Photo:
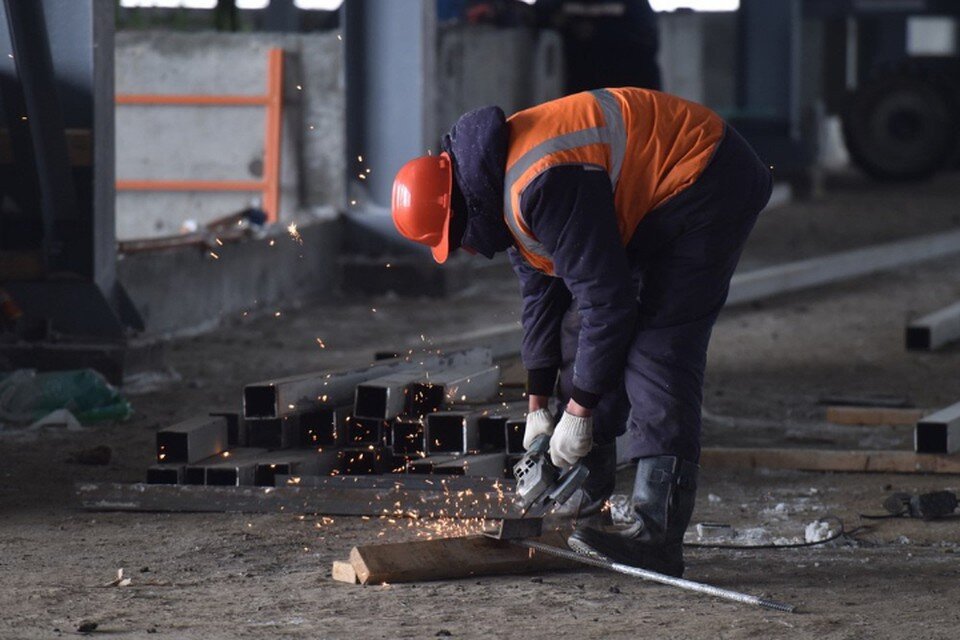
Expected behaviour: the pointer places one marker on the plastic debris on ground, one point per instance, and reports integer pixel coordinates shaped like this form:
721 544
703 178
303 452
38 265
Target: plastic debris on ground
27 396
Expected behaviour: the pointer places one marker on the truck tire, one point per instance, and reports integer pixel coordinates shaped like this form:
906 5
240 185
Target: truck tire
901 128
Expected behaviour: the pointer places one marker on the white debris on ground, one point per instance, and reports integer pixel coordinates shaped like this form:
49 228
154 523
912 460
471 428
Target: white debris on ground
715 532
817 531
762 536
713 498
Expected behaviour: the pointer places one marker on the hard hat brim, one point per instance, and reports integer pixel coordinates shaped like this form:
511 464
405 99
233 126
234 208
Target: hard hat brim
442 251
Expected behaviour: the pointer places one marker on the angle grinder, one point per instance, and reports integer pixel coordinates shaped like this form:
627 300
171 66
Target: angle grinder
540 484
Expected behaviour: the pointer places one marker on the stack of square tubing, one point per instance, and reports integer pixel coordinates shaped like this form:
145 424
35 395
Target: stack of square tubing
407 415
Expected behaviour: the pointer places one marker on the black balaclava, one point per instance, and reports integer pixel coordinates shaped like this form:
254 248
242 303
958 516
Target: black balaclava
458 217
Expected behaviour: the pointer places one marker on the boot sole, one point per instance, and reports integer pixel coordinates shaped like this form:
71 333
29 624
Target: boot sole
583 549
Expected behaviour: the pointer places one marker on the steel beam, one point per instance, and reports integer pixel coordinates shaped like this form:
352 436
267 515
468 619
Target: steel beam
384 398
293 465
451 432
492 433
804 274
367 461
278 433
933 331
489 465
427 465
324 426
939 432
304 392
192 440
40 115
407 436
405 482
334 501
366 431
234 468
236 428
454 387
165 474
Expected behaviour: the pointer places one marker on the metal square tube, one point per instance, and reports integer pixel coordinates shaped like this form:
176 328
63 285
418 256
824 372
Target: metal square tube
451 432
939 432
192 440
454 386
295 394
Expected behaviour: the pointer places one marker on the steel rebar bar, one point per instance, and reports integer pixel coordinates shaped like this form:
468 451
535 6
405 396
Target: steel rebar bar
653 576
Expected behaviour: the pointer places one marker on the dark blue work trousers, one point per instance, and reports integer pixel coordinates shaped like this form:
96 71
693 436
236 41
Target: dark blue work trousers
683 255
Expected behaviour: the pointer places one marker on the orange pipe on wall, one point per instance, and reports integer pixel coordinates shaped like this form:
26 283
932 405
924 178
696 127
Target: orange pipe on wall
272 135
173 99
191 185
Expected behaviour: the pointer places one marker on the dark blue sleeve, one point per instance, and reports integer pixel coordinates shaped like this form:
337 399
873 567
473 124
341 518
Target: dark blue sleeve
545 300
570 209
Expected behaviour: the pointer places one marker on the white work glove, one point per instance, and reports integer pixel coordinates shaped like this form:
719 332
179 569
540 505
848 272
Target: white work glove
539 422
572 439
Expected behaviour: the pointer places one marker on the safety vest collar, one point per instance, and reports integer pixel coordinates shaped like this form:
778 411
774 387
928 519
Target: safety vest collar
612 133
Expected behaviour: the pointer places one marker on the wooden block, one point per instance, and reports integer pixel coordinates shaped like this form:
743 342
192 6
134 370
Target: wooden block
450 558
829 460
343 572
873 416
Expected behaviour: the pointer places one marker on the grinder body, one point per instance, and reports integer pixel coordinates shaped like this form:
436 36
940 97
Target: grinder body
540 484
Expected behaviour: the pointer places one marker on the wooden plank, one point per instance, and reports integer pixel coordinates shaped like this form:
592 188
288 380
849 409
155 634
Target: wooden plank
873 416
450 558
330 500
829 460
343 572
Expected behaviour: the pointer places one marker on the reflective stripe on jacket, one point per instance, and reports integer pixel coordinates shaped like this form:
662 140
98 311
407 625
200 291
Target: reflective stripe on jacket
651 145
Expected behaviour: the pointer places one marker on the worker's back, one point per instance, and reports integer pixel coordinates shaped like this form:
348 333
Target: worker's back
652 144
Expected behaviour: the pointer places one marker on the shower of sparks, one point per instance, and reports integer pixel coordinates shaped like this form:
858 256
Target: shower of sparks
292 230
320 342
214 256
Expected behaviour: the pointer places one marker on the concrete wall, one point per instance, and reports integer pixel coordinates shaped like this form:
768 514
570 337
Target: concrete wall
698 57
510 68
185 291
216 143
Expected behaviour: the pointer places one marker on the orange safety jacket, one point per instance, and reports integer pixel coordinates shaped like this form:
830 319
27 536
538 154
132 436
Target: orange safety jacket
651 144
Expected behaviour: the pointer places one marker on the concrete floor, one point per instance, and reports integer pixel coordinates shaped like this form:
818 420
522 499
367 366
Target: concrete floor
267 576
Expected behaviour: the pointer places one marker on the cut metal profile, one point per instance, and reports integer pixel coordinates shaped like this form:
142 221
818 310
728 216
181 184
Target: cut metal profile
939 432
192 440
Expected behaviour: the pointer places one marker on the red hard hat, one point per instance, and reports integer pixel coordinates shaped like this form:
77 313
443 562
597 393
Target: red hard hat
421 202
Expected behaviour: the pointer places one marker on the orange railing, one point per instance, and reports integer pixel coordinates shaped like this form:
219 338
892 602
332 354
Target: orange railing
269 186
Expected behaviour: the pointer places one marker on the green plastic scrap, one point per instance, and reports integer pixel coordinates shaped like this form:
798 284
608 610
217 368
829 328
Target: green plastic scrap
26 396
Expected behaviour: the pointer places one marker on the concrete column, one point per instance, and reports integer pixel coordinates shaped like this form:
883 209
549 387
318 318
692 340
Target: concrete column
390 77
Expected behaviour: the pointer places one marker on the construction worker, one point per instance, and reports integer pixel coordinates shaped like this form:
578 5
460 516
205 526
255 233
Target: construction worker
624 213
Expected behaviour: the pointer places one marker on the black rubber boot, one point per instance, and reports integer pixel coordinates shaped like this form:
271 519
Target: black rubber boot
586 506
663 498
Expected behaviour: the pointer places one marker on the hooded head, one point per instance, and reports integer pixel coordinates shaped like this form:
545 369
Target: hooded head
455 199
